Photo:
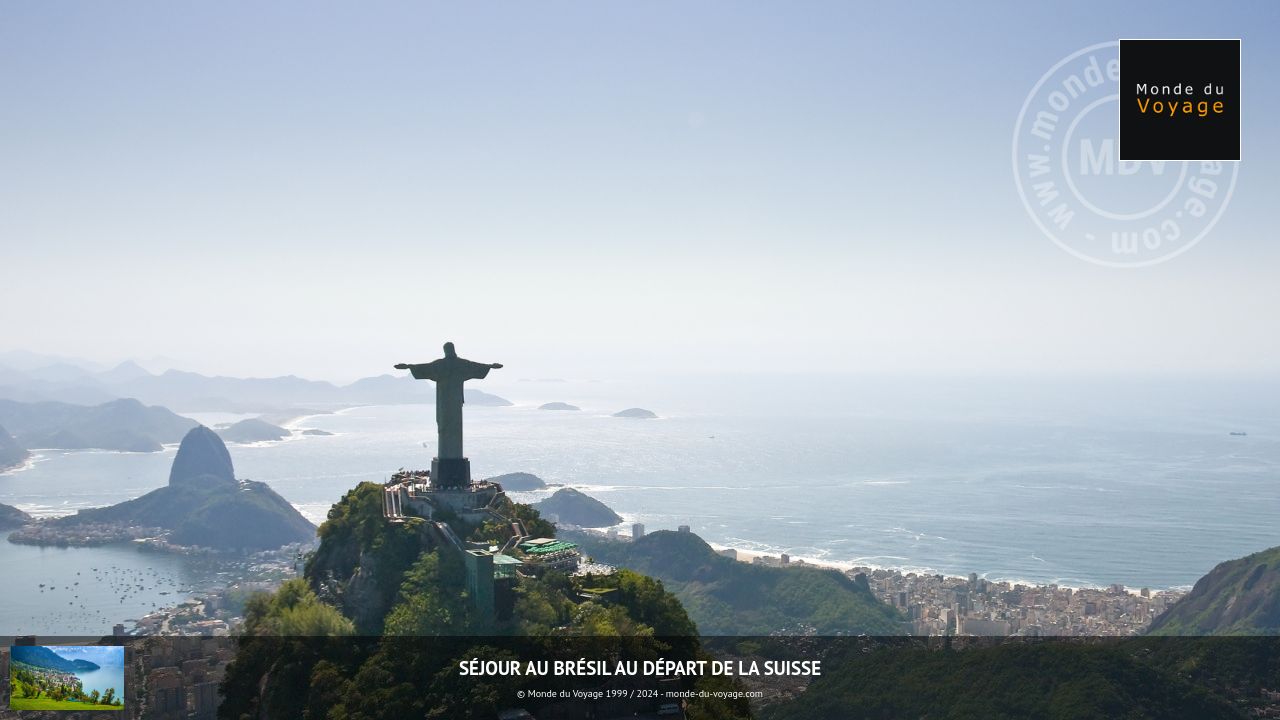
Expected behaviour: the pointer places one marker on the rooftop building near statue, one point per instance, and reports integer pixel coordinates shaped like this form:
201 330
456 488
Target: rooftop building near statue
542 554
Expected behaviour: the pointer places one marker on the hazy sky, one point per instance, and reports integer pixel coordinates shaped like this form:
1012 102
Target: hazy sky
326 189
104 655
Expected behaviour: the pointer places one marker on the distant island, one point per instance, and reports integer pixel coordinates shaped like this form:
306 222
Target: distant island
252 430
203 506
558 406
519 481
41 678
11 453
317 432
577 508
639 413
125 425
11 517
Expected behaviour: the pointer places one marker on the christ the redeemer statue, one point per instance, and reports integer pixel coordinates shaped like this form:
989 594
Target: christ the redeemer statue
450 468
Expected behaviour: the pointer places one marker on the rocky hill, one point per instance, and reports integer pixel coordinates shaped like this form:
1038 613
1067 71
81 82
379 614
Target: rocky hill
576 508
409 601
125 424
11 517
203 505
1238 597
11 453
202 460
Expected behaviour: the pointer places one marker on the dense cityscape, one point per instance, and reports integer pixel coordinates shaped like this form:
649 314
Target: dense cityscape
938 604
944 605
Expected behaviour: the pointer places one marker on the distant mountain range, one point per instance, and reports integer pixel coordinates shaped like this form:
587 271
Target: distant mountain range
42 657
116 425
192 392
203 505
73 407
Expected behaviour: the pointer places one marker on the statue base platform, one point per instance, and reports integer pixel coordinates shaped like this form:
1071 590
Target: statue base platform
450 472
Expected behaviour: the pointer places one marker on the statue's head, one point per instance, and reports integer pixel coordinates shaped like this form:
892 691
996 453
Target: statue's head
449 351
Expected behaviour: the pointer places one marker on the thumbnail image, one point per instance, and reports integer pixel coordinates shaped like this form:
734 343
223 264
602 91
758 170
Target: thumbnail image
66 677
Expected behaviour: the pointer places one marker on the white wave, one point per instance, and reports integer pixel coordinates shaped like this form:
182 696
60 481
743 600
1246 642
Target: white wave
589 488
27 464
315 512
39 510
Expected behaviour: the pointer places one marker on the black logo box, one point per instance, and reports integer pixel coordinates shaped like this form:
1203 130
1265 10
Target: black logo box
1185 67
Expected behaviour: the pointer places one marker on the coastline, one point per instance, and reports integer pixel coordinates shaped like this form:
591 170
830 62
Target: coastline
27 463
937 604
749 556
774 557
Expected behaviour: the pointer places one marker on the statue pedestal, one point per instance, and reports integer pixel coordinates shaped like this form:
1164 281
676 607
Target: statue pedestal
450 472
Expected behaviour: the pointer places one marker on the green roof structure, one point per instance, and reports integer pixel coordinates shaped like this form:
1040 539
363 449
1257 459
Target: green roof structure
547 548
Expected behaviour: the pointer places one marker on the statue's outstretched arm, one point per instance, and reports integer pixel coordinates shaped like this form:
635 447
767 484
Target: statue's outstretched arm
495 366
402 366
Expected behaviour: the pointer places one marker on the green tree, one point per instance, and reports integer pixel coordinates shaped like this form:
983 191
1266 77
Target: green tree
540 607
294 611
470 698
356 537
432 599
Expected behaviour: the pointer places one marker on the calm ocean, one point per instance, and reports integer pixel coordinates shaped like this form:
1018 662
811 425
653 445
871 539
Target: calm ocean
1081 482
